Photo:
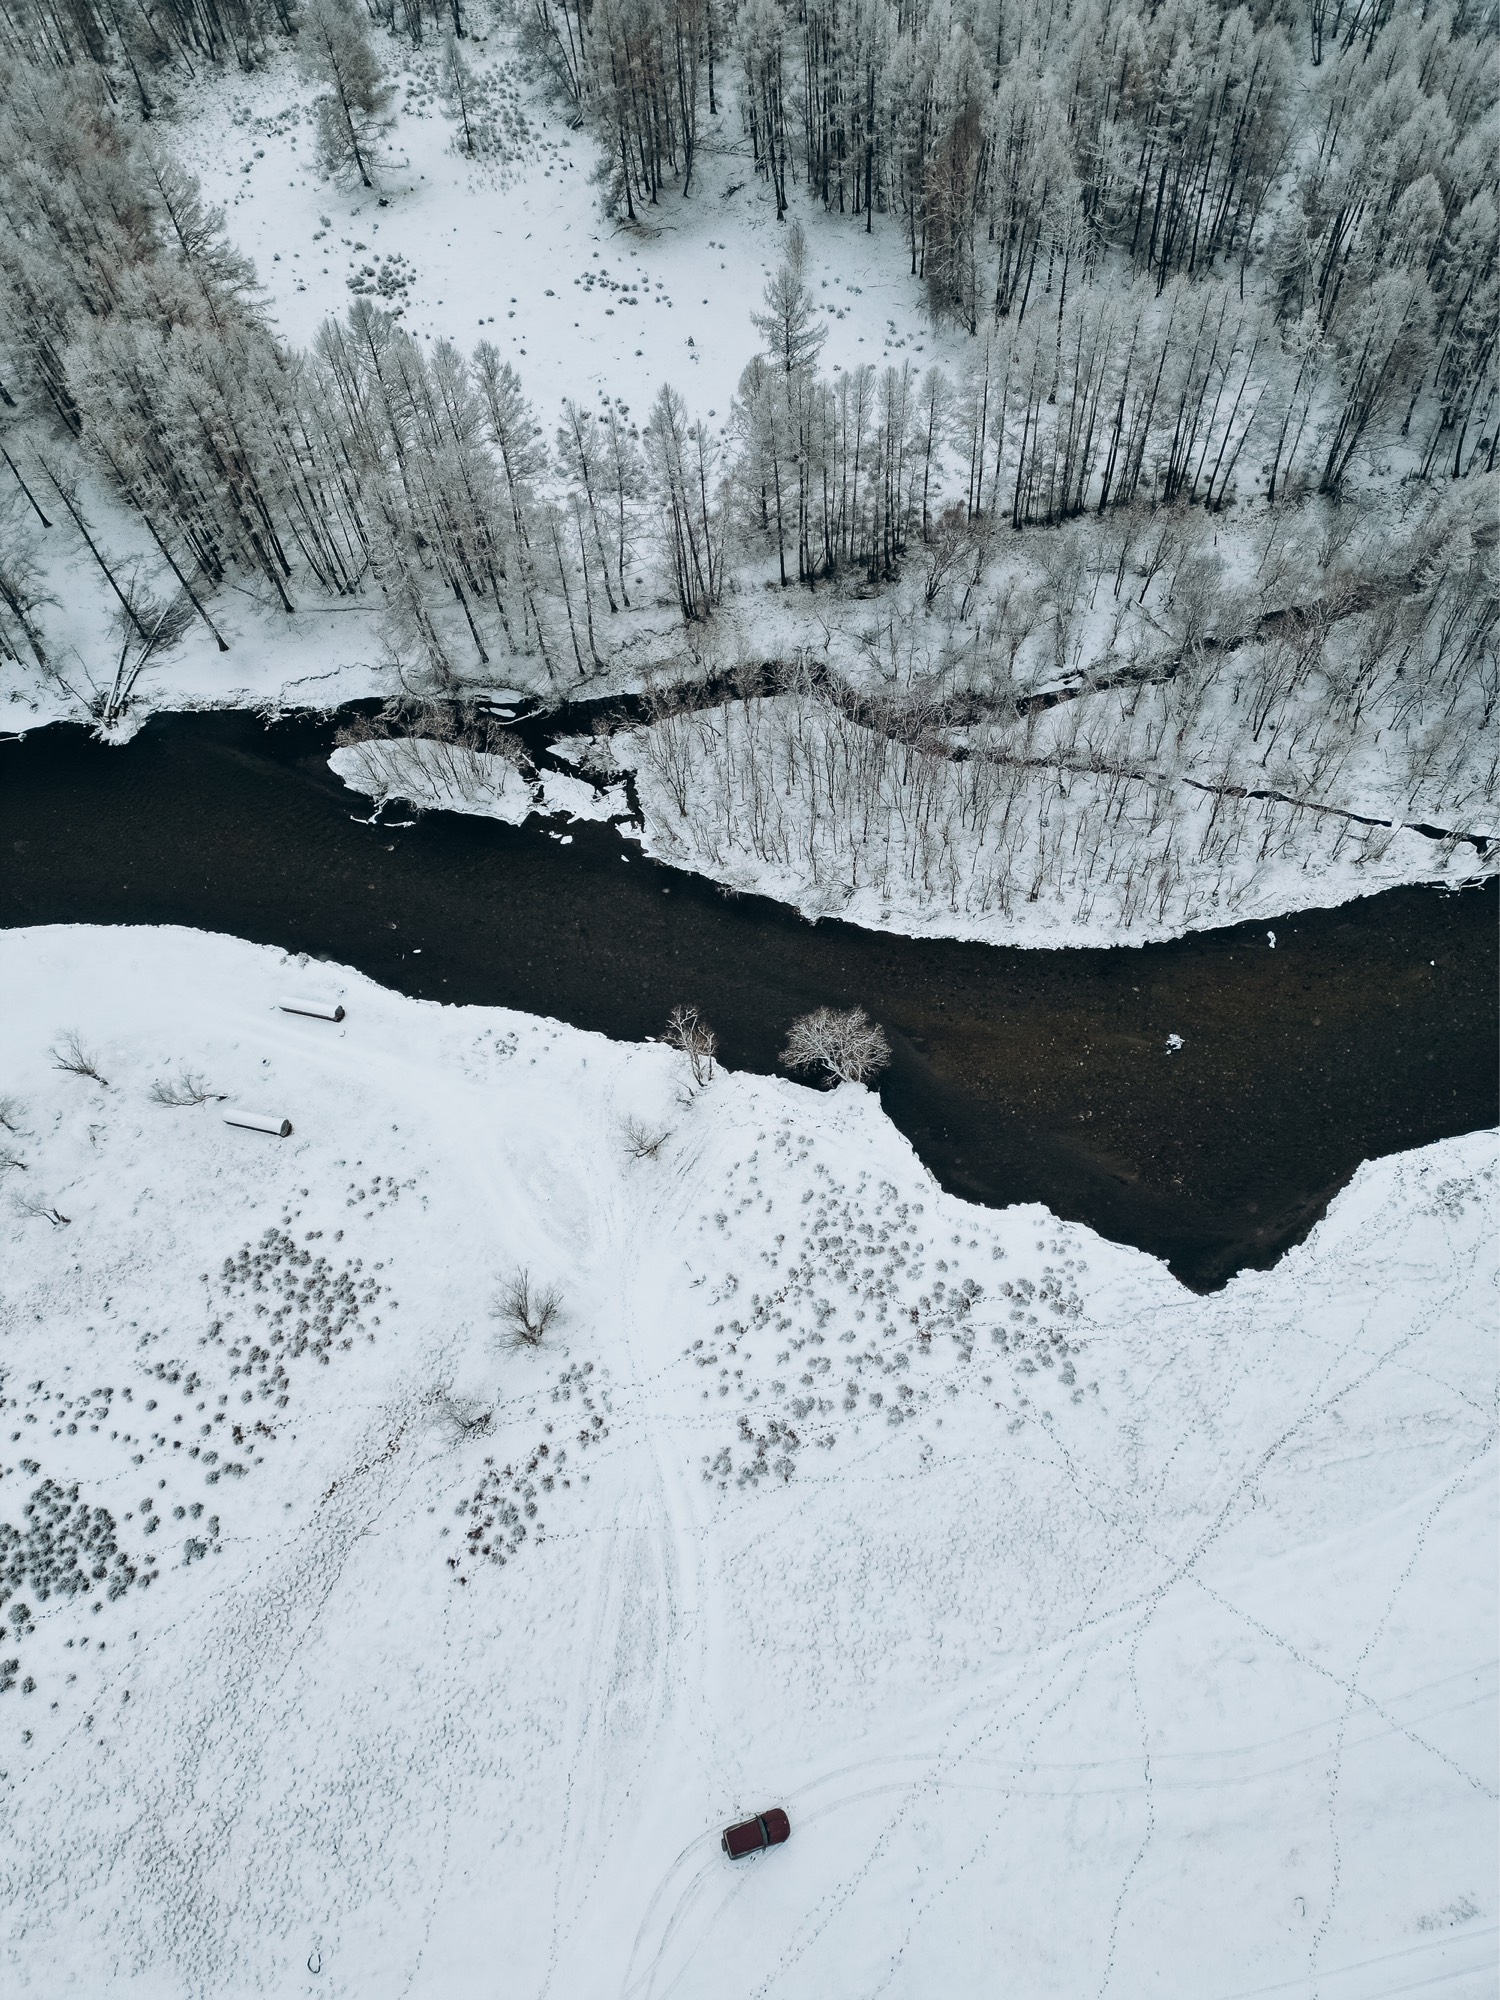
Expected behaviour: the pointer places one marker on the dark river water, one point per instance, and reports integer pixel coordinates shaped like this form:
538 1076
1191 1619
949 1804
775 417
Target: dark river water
1017 1075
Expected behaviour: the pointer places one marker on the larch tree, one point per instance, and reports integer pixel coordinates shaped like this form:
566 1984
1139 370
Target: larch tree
788 325
353 109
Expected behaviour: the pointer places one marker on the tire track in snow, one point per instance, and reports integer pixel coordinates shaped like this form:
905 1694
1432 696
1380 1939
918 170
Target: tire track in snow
1140 1853
1336 1774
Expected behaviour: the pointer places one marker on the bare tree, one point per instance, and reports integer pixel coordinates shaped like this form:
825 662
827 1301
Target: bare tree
846 1046
187 1088
526 1309
688 1031
70 1054
459 92
146 626
641 1141
10 1158
10 1113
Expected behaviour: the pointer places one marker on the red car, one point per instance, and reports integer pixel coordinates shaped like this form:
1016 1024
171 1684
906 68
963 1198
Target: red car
767 1829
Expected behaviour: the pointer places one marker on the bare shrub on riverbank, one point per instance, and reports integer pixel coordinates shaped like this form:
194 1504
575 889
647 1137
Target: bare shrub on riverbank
526 1310
688 1031
847 1047
186 1088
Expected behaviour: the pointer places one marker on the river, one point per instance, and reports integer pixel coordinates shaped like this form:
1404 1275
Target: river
1018 1075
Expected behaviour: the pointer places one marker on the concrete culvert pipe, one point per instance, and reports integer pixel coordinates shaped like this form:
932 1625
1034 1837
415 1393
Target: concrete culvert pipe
255 1121
320 1010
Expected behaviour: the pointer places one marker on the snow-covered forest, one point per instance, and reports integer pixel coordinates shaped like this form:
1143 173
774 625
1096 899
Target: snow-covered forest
1209 409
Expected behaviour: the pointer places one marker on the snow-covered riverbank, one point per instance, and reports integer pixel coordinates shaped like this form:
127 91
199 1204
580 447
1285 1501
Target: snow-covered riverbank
1095 1635
766 799
788 798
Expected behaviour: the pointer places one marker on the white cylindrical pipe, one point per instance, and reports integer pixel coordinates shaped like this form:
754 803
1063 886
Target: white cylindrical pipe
320 1010
255 1121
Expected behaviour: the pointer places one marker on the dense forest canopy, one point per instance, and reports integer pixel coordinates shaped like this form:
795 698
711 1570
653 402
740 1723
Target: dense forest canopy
1199 257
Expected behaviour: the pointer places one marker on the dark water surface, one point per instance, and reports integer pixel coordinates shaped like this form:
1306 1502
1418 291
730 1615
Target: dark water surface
1018 1075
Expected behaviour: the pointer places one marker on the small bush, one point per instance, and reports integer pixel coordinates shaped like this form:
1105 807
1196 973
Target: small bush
847 1047
526 1310
641 1141
460 1416
186 1089
70 1054
33 1208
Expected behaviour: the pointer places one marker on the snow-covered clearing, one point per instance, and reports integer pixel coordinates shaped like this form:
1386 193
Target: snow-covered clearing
582 304
1098 1638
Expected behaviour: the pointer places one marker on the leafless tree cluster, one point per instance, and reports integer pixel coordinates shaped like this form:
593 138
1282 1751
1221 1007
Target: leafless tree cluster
1153 786
1175 302
434 754
1026 148
371 460
688 1032
156 48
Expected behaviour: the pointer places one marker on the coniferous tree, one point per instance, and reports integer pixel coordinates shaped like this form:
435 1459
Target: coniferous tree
353 108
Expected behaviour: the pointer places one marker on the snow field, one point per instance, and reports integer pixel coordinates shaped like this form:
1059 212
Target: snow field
520 249
1097 1637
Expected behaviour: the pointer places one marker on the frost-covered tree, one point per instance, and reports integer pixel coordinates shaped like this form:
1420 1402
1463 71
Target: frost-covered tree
353 107
460 93
788 322
845 1046
23 593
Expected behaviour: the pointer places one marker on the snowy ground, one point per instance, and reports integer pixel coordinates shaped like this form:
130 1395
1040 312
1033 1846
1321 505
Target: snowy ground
1097 1637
